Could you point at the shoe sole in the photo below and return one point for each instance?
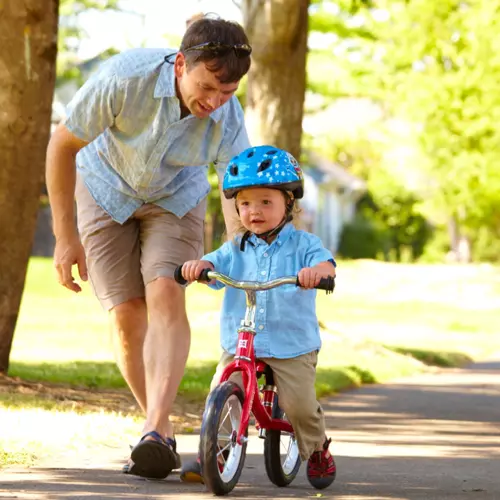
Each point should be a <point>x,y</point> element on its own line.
<point>152,460</point>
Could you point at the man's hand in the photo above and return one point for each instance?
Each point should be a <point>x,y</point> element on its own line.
<point>66,254</point>
<point>309,277</point>
<point>192,268</point>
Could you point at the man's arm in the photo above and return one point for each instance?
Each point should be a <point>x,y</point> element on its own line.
<point>61,178</point>
<point>231,218</point>
<point>235,141</point>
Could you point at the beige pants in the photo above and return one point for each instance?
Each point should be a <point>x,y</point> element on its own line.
<point>123,258</point>
<point>295,379</point>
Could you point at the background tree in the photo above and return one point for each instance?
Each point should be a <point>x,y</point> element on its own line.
<point>277,30</point>
<point>443,69</point>
<point>71,34</point>
<point>28,48</point>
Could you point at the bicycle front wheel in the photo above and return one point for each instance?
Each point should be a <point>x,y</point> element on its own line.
<point>222,458</point>
<point>281,452</point>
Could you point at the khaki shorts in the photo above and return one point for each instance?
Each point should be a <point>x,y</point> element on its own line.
<point>122,259</point>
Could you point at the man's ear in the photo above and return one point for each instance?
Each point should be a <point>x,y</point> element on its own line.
<point>179,65</point>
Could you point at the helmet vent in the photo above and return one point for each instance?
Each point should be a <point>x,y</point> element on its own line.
<point>249,155</point>
<point>272,152</point>
<point>233,169</point>
<point>265,164</point>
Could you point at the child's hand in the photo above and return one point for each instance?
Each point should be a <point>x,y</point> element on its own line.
<point>309,277</point>
<point>192,268</point>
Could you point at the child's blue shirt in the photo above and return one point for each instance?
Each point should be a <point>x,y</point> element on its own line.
<point>285,319</point>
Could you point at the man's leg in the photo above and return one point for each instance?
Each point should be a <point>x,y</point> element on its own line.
<point>166,350</point>
<point>129,322</point>
<point>113,258</point>
<point>166,242</point>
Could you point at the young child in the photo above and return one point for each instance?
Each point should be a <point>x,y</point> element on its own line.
<point>265,182</point>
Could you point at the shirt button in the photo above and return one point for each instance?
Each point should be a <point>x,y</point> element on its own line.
<point>261,327</point>
<point>261,310</point>
<point>265,255</point>
<point>263,273</point>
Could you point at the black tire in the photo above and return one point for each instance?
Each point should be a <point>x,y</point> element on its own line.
<point>277,473</point>
<point>220,483</point>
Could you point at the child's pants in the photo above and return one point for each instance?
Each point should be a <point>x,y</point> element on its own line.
<point>295,379</point>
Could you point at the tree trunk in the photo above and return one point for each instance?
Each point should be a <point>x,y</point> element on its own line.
<point>28,48</point>
<point>277,30</point>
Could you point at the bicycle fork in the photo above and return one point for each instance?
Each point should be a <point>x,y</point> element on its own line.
<point>269,394</point>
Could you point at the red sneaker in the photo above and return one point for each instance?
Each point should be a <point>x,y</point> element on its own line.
<point>191,472</point>
<point>321,469</point>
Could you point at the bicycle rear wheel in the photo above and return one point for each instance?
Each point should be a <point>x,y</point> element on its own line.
<point>281,452</point>
<point>221,457</point>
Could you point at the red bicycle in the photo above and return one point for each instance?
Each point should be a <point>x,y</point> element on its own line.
<point>224,431</point>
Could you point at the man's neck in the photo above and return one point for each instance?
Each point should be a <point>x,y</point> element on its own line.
<point>184,110</point>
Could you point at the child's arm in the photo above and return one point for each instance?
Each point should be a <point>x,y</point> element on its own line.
<point>309,277</point>
<point>192,268</point>
<point>318,262</point>
<point>219,260</point>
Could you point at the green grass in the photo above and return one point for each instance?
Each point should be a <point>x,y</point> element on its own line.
<point>382,322</point>
<point>415,311</point>
<point>435,358</point>
<point>19,458</point>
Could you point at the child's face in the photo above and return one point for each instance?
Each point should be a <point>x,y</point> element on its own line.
<point>261,209</point>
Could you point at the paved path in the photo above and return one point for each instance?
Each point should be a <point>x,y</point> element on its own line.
<point>433,437</point>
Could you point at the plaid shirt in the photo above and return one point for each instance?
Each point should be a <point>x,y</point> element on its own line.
<point>140,150</point>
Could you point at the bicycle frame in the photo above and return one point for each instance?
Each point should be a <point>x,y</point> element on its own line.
<point>245,362</point>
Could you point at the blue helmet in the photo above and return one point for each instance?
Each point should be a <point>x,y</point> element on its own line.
<point>263,166</point>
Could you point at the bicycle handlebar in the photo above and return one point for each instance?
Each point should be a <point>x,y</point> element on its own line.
<point>206,275</point>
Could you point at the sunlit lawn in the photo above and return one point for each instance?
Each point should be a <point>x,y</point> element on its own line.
<point>63,337</point>
<point>403,305</point>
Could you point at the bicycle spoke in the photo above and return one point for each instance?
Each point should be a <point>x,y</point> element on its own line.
<point>287,448</point>
<point>222,450</point>
<point>235,421</point>
<point>223,420</point>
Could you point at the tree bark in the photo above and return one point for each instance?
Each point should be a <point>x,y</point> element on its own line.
<point>277,30</point>
<point>28,49</point>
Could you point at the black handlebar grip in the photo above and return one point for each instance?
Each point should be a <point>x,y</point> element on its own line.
<point>204,275</point>
<point>327,284</point>
<point>178,276</point>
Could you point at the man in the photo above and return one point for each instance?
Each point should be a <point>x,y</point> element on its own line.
<point>141,132</point>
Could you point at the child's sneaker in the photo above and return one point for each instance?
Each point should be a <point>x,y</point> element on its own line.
<point>191,472</point>
<point>321,470</point>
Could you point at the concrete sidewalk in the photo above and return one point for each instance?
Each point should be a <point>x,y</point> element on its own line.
<point>432,437</point>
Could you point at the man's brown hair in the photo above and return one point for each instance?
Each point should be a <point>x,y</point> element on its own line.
<point>229,64</point>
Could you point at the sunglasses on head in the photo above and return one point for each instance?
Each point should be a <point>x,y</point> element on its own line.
<point>218,48</point>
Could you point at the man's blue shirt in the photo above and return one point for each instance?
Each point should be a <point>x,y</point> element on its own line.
<point>140,150</point>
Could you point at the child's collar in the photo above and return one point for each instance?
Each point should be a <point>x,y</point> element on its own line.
<point>254,240</point>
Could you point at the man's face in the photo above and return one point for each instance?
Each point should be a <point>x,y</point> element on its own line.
<point>200,90</point>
